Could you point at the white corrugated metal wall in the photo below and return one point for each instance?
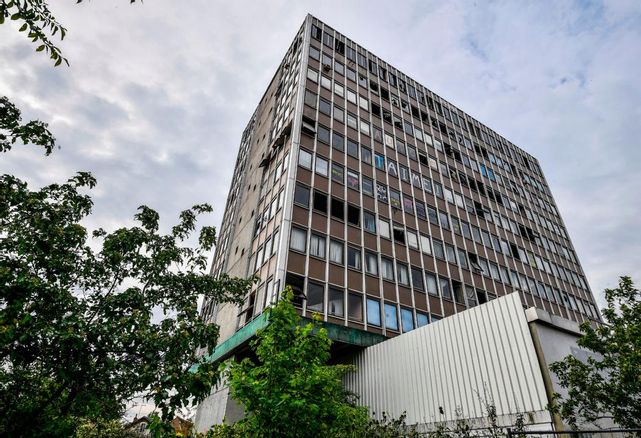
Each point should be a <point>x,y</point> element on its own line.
<point>485,353</point>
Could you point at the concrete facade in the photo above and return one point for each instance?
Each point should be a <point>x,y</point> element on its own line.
<point>385,207</point>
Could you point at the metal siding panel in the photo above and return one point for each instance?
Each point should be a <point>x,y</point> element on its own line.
<point>450,363</point>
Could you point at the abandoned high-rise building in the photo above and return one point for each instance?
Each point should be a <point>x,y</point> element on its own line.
<point>383,205</point>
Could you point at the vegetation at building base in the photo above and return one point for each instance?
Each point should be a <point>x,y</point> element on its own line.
<point>607,385</point>
<point>289,390</point>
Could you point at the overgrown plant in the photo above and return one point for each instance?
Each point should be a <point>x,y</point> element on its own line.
<point>607,384</point>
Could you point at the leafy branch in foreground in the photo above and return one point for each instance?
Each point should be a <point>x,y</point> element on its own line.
<point>83,331</point>
<point>38,22</point>
<point>12,129</point>
<point>607,383</point>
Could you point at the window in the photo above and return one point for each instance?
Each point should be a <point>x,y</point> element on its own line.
<point>355,306</point>
<point>338,141</point>
<point>445,287</point>
<point>421,319</point>
<point>432,288</point>
<point>412,239</point>
<point>417,279</point>
<point>471,296</point>
<point>298,240</point>
<point>301,195</point>
<point>371,263</point>
<point>403,274</point>
<point>387,269</point>
<point>315,297</point>
<point>425,244</point>
<point>352,148</point>
<point>381,192</point>
<point>450,253</point>
<point>336,302</point>
<point>310,98</point>
<point>317,246</point>
<point>320,202</point>
<point>338,209</point>
<point>399,235</point>
<point>391,318</point>
<point>368,185</point>
<point>351,121</point>
<point>407,320</point>
<point>354,258</point>
<point>321,166</point>
<point>336,251</point>
<point>395,199</point>
<point>366,155</point>
<point>326,82</point>
<point>462,258</point>
<point>325,107</point>
<point>432,215</point>
<point>353,180</point>
<point>379,161</point>
<point>369,222</point>
<point>338,173</point>
<point>304,159</point>
<point>438,249</point>
<point>339,113</point>
<point>373,312</point>
<point>384,228</point>
<point>323,134</point>
<point>445,223</point>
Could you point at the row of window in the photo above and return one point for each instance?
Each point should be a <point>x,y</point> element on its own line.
<point>426,184</point>
<point>414,277</point>
<point>406,126</point>
<point>426,212</point>
<point>339,303</point>
<point>364,127</point>
<point>418,94</point>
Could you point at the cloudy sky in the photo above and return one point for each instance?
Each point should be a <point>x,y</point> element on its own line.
<point>158,94</point>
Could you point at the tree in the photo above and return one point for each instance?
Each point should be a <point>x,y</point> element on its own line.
<point>83,331</point>
<point>608,383</point>
<point>289,390</point>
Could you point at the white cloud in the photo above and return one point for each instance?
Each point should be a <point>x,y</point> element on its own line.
<point>158,94</point>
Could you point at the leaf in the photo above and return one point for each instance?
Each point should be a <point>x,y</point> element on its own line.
<point>16,16</point>
<point>23,27</point>
<point>40,48</point>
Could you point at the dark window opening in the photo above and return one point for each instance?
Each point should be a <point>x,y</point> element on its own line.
<point>297,283</point>
<point>474,262</point>
<point>482,296</point>
<point>399,235</point>
<point>338,209</point>
<point>320,202</point>
<point>459,294</point>
<point>376,110</point>
<point>353,215</point>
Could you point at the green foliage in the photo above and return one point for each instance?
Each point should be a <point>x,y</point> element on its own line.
<point>387,427</point>
<point>101,429</point>
<point>609,382</point>
<point>11,129</point>
<point>290,390</point>
<point>86,328</point>
<point>39,24</point>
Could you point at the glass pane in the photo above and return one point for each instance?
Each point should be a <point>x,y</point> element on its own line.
<point>391,318</point>
<point>407,320</point>
<point>373,312</point>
